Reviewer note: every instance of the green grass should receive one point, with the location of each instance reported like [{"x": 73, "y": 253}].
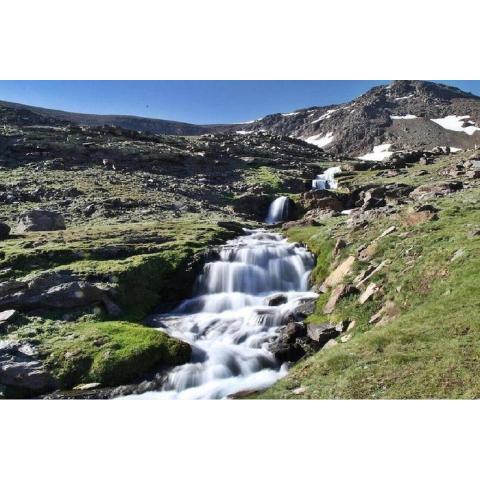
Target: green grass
[
  {"x": 266, "y": 177},
  {"x": 110, "y": 353},
  {"x": 432, "y": 348}
]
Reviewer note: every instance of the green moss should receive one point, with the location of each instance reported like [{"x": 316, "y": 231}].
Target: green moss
[
  {"x": 319, "y": 242},
  {"x": 110, "y": 353},
  {"x": 266, "y": 177}
]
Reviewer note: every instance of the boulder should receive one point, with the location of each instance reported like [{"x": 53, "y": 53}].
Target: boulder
[
  {"x": 435, "y": 189},
  {"x": 371, "y": 290},
  {"x": 252, "y": 205},
  {"x": 4, "y": 231},
  {"x": 39, "y": 221},
  {"x": 7, "y": 318},
  {"x": 54, "y": 290},
  {"x": 321, "y": 333},
  {"x": 340, "y": 291},
  {"x": 20, "y": 367},
  {"x": 276, "y": 299},
  {"x": 304, "y": 308},
  {"x": 337, "y": 276},
  {"x": 321, "y": 200}
]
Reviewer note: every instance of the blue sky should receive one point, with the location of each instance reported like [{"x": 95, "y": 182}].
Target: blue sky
[{"x": 221, "y": 101}]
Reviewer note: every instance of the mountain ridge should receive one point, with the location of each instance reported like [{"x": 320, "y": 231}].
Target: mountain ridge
[{"x": 402, "y": 114}]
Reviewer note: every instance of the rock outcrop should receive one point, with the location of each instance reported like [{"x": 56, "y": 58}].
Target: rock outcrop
[{"x": 40, "y": 221}]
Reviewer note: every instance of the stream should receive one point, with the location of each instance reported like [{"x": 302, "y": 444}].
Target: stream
[
  {"x": 229, "y": 321},
  {"x": 241, "y": 301}
]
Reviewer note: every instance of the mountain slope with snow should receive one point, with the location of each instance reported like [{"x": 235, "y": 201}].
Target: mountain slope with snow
[{"x": 404, "y": 114}]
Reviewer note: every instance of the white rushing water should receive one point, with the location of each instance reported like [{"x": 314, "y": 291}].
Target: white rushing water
[
  {"x": 326, "y": 180},
  {"x": 229, "y": 323},
  {"x": 278, "y": 211}
]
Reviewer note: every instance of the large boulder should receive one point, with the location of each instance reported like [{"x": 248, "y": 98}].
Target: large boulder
[
  {"x": 322, "y": 333},
  {"x": 252, "y": 205},
  {"x": 322, "y": 200},
  {"x": 40, "y": 221},
  {"x": 21, "y": 368},
  {"x": 54, "y": 290},
  {"x": 436, "y": 189},
  {"x": 4, "y": 231}
]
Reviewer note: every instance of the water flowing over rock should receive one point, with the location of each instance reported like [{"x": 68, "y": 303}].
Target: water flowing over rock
[
  {"x": 280, "y": 210},
  {"x": 326, "y": 180},
  {"x": 229, "y": 321}
]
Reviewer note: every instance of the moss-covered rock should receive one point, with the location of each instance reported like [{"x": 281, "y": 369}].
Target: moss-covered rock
[{"x": 110, "y": 353}]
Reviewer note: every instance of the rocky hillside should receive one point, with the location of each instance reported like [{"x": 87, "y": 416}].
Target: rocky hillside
[
  {"x": 30, "y": 115},
  {"x": 401, "y": 115}
]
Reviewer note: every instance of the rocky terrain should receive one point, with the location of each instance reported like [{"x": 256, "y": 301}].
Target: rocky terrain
[
  {"x": 399, "y": 114},
  {"x": 402, "y": 115},
  {"x": 102, "y": 225}
]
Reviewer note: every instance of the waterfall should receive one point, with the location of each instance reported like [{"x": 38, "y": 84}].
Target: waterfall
[
  {"x": 229, "y": 321},
  {"x": 326, "y": 180},
  {"x": 279, "y": 210}
]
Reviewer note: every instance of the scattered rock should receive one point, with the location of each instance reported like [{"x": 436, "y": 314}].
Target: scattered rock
[
  {"x": 299, "y": 390},
  {"x": 87, "y": 386},
  {"x": 20, "y": 367},
  {"x": 340, "y": 291},
  {"x": 387, "y": 313},
  {"x": 321, "y": 333},
  {"x": 458, "y": 254},
  {"x": 436, "y": 189},
  {"x": 340, "y": 244},
  {"x": 276, "y": 299},
  {"x": 89, "y": 210},
  {"x": 338, "y": 275},
  {"x": 371, "y": 290},
  {"x": 39, "y": 221},
  {"x": 7, "y": 318},
  {"x": 304, "y": 308},
  {"x": 388, "y": 231},
  {"x": 365, "y": 254},
  {"x": 369, "y": 273},
  {"x": 4, "y": 231}
]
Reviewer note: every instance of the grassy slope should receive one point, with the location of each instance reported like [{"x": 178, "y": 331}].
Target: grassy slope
[{"x": 432, "y": 348}]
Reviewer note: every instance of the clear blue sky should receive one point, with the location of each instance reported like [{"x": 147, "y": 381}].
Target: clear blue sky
[{"x": 191, "y": 101}]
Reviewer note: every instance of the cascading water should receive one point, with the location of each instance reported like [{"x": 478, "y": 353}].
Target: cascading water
[
  {"x": 326, "y": 180},
  {"x": 278, "y": 211},
  {"x": 229, "y": 323}
]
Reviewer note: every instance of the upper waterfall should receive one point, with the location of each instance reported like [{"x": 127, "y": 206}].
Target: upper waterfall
[{"x": 326, "y": 180}]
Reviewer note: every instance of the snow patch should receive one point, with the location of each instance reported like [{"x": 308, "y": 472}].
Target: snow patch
[
  {"x": 404, "y": 98},
  {"x": 328, "y": 114},
  {"x": 320, "y": 140},
  {"x": 380, "y": 152},
  {"x": 289, "y": 114},
  {"x": 457, "y": 124},
  {"x": 403, "y": 117},
  {"x": 244, "y": 132},
  {"x": 455, "y": 149}
]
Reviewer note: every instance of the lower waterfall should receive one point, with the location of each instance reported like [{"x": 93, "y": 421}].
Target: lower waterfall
[
  {"x": 278, "y": 211},
  {"x": 229, "y": 321}
]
